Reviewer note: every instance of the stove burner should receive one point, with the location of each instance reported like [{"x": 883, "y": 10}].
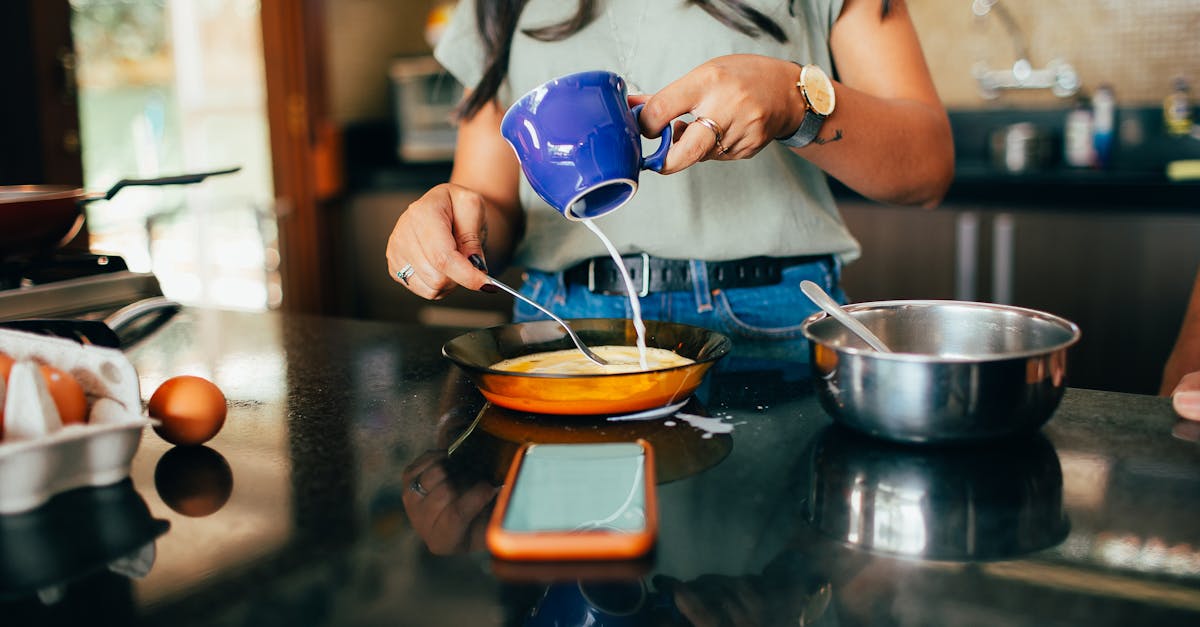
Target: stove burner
[
  {"x": 30, "y": 272},
  {"x": 77, "y": 285}
]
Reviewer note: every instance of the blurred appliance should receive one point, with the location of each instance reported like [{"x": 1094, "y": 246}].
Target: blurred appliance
[
  {"x": 424, "y": 96},
  {"x": 71, "y": 285}
]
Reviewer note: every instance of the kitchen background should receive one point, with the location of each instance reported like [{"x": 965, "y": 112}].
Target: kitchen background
[
  {"x": 171, "y": 85},
  {"x": 1103, "y": 247},
  {"x": 167, "y": 87}
]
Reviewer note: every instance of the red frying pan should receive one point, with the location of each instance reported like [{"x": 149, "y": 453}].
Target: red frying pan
[{"x": 40, "y": 218}]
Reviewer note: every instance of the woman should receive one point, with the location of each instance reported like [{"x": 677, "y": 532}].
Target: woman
[
  {"x": 1181, "y": 375},
  {"x": 726, "y": 244}
]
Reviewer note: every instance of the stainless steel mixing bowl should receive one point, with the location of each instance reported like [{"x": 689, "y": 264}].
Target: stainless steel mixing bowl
[{"x": 960, "y": 371}]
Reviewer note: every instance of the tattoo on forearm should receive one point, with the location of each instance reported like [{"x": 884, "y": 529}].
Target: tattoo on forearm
[{"x": 821, "y": 141}]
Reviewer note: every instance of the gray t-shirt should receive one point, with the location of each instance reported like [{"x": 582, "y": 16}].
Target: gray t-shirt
[{"x": 775, "y": 203}]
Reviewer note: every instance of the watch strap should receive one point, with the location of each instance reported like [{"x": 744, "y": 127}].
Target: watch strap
[{"x": 809, "y": 127}]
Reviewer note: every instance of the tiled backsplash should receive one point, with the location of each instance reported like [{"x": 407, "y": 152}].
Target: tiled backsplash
[{"x": 1138, "y": 46}]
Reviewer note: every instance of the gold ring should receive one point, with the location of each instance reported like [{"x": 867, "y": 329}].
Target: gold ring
[
  {"x": 716, "y": 129},
  {"x": 405, "y": 272}
]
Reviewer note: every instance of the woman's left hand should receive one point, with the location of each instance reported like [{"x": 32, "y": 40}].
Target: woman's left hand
[
  {"x": 1186, "y": 397},
  {"x": 747, "y": 97}
]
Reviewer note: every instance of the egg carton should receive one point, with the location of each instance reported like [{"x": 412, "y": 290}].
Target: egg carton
[{"x": 39, "y": 455}]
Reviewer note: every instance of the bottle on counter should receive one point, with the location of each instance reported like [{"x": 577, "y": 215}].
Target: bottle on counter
[
  {"x": 1078, "y": 144},
  {"x": 1177, "y": 109},
  {"x": 1104, "y": 121}
]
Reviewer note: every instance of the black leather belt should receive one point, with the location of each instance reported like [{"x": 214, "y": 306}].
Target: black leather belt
[{"x": 652, "y": 274}]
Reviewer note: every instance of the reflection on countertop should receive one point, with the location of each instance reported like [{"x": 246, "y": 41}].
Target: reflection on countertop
[{"x": 970, "y": 503}]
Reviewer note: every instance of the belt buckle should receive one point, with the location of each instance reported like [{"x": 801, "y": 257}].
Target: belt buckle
[{"x": 645, "y": 291}]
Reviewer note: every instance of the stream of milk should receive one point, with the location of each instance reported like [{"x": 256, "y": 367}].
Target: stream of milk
[{"x": 634, "y": 302}]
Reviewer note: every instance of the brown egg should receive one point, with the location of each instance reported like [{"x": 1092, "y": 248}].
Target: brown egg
[
  {"x": 68, "y": 395},
  {"x": 191, "y": 409}
]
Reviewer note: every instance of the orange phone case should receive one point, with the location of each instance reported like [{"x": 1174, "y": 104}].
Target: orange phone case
[{"x": 572, "y": 545}]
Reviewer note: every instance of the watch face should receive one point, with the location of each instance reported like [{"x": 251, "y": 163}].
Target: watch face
[{"x": 817, "y": 89}]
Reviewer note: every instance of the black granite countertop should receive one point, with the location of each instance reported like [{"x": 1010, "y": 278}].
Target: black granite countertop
[{"x": 296, "y": 513}]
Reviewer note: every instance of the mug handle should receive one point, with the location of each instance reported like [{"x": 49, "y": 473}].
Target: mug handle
[{"x": 657, "y": 160}]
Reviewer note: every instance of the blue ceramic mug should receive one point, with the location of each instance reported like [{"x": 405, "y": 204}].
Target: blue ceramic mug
[{"x": 579, "y": 143}]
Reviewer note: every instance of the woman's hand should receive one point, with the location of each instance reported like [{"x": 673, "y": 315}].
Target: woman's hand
[
  {"x": 745, "y": 95},
  {"x": 450, "y": 518},
  {"x": 433, "y": 238},
  {"x": 1186, "y": 396},
  {"x": 1181, "y": 375},
  {"x": 476, "y": 213},
  {"x": 888, "y": 137}
]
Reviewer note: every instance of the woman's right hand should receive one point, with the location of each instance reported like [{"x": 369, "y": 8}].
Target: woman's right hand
[
  {"x": 477, "y": 210},
  {"x": 1186, "y": 396},
  {"x": 436, "y": 235}
]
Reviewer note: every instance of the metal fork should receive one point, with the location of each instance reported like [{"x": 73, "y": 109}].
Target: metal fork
[{"x": 587, "y": 352}]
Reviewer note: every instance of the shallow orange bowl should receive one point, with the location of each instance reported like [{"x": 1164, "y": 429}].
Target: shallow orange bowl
[{"x": 476, "y": 352}]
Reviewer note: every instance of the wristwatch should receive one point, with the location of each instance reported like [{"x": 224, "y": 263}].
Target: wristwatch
[{"x": 819, "y": 101}]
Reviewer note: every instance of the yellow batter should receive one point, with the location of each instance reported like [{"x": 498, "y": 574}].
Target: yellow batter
[{"x": 571, "y": 361}]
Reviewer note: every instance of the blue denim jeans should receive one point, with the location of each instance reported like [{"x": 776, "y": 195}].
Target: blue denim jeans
[{"x": 763, "y": 322}]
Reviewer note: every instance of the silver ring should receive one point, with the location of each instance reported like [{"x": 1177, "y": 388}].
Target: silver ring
[
  {"x": 416, "y": 486},
  {"x": 405, "y": 272},
  {"x": 716, "y": 129}
]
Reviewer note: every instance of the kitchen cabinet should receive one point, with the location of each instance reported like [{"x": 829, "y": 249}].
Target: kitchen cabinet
[
  {"x": 906, "y": 253},
  {"x": 1122, "y": 275},
  {"x": 1123, "y": 278}
]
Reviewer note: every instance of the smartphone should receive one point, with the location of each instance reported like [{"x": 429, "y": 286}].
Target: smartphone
[{"x": 591, "y": 501}]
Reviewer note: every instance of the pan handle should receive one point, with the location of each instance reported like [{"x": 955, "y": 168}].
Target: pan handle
[{"x": 179, "y": 179}]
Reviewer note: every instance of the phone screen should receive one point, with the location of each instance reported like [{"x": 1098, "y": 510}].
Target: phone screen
[{"x": 579, "y": 487}]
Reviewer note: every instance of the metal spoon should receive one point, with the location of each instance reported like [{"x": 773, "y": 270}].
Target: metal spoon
[
  {"x": 831, "y": 307},
  {"x": 587, "y": 352}
]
